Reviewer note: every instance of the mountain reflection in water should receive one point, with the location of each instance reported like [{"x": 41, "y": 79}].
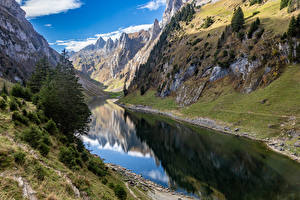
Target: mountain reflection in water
[{"x": 199, "y": 161}]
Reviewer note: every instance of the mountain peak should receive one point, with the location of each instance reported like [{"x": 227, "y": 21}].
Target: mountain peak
[{"x": 100, "y": 43}]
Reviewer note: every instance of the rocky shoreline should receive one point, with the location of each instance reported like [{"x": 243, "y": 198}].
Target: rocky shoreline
[
  {"x": 273, "y": 144},
  {"x": 146, "y": 185}
]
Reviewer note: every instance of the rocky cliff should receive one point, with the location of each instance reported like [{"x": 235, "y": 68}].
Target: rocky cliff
[
  {"x": 193, "y": 58},
  {"x": 111, "y": 61},
  {"x": 20, "y": 45}
]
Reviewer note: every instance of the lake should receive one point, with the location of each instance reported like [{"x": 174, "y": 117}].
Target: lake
[{"x": 189, "y": 159}]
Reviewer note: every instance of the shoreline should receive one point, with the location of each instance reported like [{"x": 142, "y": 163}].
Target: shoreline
[
  {"x": 152, "y": 189},
  {"x": 213, "y": 125}
]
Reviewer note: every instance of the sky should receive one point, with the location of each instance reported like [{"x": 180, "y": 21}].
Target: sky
[{"x": 74, "y": 24}]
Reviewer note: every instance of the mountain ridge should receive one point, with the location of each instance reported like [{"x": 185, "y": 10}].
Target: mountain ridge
[{"x": 21, "y": 45}]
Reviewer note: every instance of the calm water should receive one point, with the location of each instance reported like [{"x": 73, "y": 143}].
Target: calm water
[{"x": 189, "y": 159}]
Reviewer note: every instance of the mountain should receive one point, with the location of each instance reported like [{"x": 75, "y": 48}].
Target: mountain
[
  {"x": 20, "y": 45},
  {"x": 196, "y": 51},
  {"x": 105, "y": 61}
]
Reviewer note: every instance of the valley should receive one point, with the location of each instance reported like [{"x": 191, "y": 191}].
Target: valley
[{"x": 203, "y": 103}]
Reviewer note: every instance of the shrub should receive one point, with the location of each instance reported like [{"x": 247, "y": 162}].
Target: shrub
[
  {"x": 21, "y": 92},
  {"x": 40, "y": 173},
  {"x": 284, "y": 3},
  {"x": 104, "y": 181},
  {"x": 5, "y": 159},
  {"x": 120, "y": 192},
  {"x": 252, "y": 2},
  {"x": 44, "y": 149},
  {"x": 20, "y": 158},
  {"x": 4, "y": 96},
  {"x": 50, "y": 126},
  {"x": 4, "y": 89},
  {"x": 37, "y": 139},
  {"x": 142, "y": 90},
  {"x": 84, "y": 156},
  {"x": 34, "y": 118},
  {"x": 3, "y": 104},
  {"x": 68, "y": 156},
  {"x": 253, "y": 27},
  {"x": 42, "y": 116},
  {"x": 96, "y": 166},
  {"x": 32, "y": 136},
  {"x": 207, "y": 22},
  {"x": 16, "y": 116},
  {"x": 13, "y": 106},
  {"x": 24, "y": 112}
]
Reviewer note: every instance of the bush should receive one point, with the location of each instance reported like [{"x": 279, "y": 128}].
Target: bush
[
  {"x": 3, "y": 104},
  {"x": 44, "y": 149},
  {"x": 20, "y": 158},
  {"x": 120, "y": 192},
  {"x": 69, "y": 156},
  {"x": 13, "y": 106},
  {"x": 40, "y": 173},
  {"x": 50, "y": 126},
  {"x": 5, "y": 159},
  {"x": 284, "y": 3},
  {"x": 207, "y": 22},
  {"x": 21, "y": 92},
  {"x": 253, "y": 27},
  {"x": 4, "y": 89},
  {"x": 104, "y": 181},
  {"x": 42, "y": 116},
  {"x": 252, "y": 2},
  {"x": 16, "y": 116},
  {"x": 37, "y": 139},
  {"x": 96, "y": 166},
  {"x": 84, "y": 156},
  {"x": 4, "y": 96},
  {"x": 34, "y": 118}
]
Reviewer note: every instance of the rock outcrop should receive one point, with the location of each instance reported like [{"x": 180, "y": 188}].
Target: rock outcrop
[{"x": 20, "y": 45}]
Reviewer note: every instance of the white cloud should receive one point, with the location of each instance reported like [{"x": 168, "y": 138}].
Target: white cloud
[
  {"x": 19, "y": 1},
  {"x": 36, "y": 8},
  {"x": 153, "y": 5},
  {"x": 76, "y": 45},
  {"x": 48, "y": 25},
  {"x": 157, "y": 175}
]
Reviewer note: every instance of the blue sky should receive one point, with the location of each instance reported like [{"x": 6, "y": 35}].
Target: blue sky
[{"x": 76, "y": 23}]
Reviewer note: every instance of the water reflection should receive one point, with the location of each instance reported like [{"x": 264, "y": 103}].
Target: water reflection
[{"x": 211, "y": 165}]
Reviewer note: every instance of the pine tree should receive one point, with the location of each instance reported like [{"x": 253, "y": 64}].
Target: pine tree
[
  {"x": 39, "y": 76},
  {"x": 238, "y": 21},
  {"x": 62, "y": 100},
  {"x": 292, "y": 30}
]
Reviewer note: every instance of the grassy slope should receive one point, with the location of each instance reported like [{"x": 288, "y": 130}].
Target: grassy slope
[
  {"x": 53, "y": 185},
  {"x": 245, "y": 111}
]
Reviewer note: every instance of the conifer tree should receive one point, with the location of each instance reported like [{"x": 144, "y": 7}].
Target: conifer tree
[
  {"x": 39, "y": 76},
  {"x": 238, "y": 21},
  {"x": 292, "y": 30},
  {"x": 62, "y": 100}
]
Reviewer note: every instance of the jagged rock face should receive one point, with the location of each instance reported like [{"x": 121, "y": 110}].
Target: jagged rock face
[
  {"x": 172, "y": 6},
  {"x": 117, "y": 60},
  {"x": 20, "y": 45}
]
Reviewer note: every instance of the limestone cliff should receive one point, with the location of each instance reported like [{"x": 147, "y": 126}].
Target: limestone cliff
[{"x": 20, "y": 45}]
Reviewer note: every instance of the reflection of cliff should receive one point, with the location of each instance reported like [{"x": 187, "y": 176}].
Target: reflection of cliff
[
  {"x": 209, "y": 162},
  {"x": 112, "y": 128}
]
